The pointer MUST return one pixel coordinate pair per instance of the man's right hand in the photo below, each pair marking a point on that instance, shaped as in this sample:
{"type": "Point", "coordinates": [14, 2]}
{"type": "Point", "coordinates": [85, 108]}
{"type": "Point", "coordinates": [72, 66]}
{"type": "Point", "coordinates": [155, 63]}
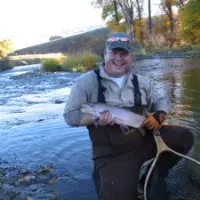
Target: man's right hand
{"type": "Point", "coordinates": [105, 119]}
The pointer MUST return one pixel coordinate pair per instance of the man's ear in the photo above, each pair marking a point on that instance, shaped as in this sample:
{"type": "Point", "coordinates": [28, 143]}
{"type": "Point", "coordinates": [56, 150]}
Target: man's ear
{"type": "Point", "coordinates": [105, 53]}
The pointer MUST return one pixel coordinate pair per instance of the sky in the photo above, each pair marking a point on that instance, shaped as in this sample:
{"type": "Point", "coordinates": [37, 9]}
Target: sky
{"type": "Point", "coordinates": [30, 22]}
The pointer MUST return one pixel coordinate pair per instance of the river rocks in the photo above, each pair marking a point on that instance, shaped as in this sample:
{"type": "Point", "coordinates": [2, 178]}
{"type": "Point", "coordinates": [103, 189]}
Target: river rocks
{"type": "Point", "coordinates": [58, 101]}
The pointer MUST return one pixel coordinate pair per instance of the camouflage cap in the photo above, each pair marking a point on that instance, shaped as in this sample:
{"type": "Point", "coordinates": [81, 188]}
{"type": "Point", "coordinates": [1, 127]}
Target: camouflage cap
{"type": "Point", "coordinates": [120, 40]}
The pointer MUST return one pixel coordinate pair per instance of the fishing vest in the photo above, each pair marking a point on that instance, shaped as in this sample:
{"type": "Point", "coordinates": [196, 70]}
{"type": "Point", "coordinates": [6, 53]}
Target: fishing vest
{"type": "Point", "coordinates": [109, 140]}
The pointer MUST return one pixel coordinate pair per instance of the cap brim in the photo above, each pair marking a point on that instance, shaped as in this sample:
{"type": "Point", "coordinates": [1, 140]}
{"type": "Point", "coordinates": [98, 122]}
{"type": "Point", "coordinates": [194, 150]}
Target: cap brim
{"type": "Point", "coordinates": [116, 46]}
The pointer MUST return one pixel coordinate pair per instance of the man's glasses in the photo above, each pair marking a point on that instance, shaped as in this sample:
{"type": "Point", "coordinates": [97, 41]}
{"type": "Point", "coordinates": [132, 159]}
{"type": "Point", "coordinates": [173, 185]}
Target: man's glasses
{"type": "Point", "coordinates": [119, 39]}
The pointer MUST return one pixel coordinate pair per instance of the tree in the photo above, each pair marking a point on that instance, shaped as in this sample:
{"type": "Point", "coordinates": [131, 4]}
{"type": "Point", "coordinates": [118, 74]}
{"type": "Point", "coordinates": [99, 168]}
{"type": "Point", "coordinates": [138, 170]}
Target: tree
{"type": "Point", "coordinates": [56, 37]}
{"type": "Point", "coordinates": [180, 4]}
{"type": "Point", "coordinates": [190, 21]}
{"type": "Point", "coordinates": [118, 10]}
{"type": "Point", "coordinates": [5, 47]}
{"type": "Point", "coordinates": [139, 11]}
{"type": "Point", "coordinates": [149, 21]}
{"type": "Point", "coordinates": [127, 9]}
{"type": "Point", "coordinates": [167, 5]}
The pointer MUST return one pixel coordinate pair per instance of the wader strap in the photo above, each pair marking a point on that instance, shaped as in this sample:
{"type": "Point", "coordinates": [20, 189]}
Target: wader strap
{"type": "Point", "coordinates": [137, 93]}
{"type": "Point", "coordinates": [102, 89]}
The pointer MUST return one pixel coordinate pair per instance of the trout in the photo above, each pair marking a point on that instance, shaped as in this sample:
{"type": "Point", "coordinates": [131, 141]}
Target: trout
{"type": "Point", "coordinates": [123, 117]}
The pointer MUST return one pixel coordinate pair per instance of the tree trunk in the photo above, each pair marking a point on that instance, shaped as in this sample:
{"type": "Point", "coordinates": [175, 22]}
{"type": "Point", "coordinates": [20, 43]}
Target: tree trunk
{"type": "Point", "coordinates": [116, 12]}
{"type": "Point", "coordinates": [127, 9]}
{"type": "Point", "coordinates": [149, 21]}
{"type": "Point", "coordinates": [139, 9]}
{"type": "Point", "coordinates": [131, 21]}
{"type": "Point", "coordinates": [171, 19]}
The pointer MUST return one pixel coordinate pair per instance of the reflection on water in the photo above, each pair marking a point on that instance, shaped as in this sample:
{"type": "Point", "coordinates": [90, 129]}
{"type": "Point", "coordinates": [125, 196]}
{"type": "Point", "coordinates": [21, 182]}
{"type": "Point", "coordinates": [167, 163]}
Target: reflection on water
{"type": "Point", "coordinates": [181, 78]}
{"type": "Point", "coordinates": [33, 132]}
{"type": "Point", "coordinates": [191, 98]}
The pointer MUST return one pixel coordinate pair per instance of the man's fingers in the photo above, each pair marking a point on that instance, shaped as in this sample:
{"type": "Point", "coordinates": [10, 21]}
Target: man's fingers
{"type": "Point", "coordinates": [105, 118]}
{"type": "Point", "coordinates": [145, 122]}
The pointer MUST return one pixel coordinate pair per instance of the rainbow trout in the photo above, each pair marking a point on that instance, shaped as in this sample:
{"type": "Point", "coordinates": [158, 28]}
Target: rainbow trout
{"type": "Point", "coordinates": [120, 116]}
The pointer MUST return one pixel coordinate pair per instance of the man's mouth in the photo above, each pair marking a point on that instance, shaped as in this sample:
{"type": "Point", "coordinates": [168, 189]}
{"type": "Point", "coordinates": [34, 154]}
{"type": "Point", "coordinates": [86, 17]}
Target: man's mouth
{"type": "Point", "coordinates": [118, 64]}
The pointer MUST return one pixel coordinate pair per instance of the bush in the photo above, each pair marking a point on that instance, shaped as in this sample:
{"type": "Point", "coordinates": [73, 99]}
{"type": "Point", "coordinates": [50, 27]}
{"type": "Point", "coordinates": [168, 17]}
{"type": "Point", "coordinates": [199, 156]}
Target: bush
{"type": "Point", "coordinates": [196, 48]}
{"type": "Point", "coordinates": [5, 64]}
{"type": "Point", "coordinates": [51, 65]}
{"type": "Point", "coordinates": [76, 62]}
{"type": "Point", "coordinates": [79, 68]}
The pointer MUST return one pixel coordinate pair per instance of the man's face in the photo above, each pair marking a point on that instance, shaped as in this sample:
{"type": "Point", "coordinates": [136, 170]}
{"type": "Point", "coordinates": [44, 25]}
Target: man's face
{"type": "Point", "coordinates": [117, 62]}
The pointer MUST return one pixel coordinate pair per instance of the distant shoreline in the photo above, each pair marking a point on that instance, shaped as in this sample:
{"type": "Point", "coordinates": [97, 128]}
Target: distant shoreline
{"type": "Point", "coordinates": [168, 55]}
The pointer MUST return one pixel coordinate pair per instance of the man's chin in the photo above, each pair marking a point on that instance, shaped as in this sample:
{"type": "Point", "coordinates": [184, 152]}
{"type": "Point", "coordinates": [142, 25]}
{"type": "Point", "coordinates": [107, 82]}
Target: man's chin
{"type": "Point", "coordinates": [117, 67]}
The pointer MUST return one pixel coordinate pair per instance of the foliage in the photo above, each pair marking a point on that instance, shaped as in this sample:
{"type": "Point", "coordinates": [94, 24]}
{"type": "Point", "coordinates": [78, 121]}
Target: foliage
{"type": "Point", "coordinates": [5, 47]}
{"type": "Point", "coordinates": [51, 65]}
{"type": "Point", "coordinates": [178, 49]}
{"type": "Point", "coordinates": [117, 10]}
{"type": "Point", "coordinates": [116, 27]}
{"type": "Point", "coordinates": [196, 48]}
{"type": "Point", "coordinates": [138, 29]}
{"type": "Point", "coordinates": [77, 61]}
{"type": "Point", "coordinates": [190, 19]}
{"type": "Point", "coordinates": [5, 64]}
{"type": "Point", "coordinates": [29, 59]}
{"type": "Point", "coordinates": [78, 68]}
{"type": "Point", "coordinates": [56, 37]}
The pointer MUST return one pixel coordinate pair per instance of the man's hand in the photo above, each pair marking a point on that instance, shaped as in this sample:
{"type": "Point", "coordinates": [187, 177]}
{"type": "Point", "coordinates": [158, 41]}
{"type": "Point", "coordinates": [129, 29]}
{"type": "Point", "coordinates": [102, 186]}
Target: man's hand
{"type": "Point", "coordinates": [153, 121]}
{"type": "Point", "coordinates": [105, 119]}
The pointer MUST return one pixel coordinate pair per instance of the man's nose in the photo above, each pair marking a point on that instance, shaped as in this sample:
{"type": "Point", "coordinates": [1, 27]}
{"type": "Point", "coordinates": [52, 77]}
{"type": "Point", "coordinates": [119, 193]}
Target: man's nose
{"type": "Point", "coordinates": [118, 56]}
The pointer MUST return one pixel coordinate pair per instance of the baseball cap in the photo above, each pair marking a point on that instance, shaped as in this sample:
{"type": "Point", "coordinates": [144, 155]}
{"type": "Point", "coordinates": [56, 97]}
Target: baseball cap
{"type": "Point", "coordinates": [120, 40]}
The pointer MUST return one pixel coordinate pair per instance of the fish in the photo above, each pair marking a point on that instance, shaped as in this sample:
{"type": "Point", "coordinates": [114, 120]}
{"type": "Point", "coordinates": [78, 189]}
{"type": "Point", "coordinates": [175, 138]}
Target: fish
{"type": "Point", "coordinates": [121, 116]}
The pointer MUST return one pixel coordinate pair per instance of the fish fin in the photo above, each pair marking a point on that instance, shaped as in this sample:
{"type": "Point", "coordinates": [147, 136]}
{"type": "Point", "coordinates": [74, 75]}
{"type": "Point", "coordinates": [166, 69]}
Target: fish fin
{"type": "Point", "coordinates": [142, 131]}
{"type": "Point", "coordinates": [96, 122]}
{"type": "Point", "coordinates": [124, 129]}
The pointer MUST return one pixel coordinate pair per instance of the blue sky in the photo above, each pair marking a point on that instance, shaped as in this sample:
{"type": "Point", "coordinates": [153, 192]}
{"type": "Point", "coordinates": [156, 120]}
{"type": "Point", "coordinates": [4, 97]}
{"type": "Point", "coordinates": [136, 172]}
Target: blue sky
{"type": "Point", "coordinates": [28, 22]}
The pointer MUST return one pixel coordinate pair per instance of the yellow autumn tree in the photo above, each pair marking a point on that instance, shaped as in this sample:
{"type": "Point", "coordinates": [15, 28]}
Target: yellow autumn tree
{"type": "Point", "coordinates": [5, 47]}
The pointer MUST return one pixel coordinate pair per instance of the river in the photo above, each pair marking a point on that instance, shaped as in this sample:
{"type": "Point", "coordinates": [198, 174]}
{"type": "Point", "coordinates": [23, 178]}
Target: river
{"type": "Point", "coordinates": [43, 158]}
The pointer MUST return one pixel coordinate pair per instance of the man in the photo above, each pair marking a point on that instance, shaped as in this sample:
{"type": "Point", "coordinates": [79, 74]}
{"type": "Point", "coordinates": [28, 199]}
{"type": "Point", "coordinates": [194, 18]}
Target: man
{"type": "Point", "coordinates": [118, 158]}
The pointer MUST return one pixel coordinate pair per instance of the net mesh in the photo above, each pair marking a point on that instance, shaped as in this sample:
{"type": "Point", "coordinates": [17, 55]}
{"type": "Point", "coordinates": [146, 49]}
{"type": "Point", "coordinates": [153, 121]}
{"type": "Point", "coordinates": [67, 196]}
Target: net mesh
{"type": "Point", "coordinates": [173, 178]}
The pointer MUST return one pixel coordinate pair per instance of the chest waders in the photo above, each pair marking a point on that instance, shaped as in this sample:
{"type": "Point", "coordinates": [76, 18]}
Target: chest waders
{"type": "Point", "coordinates": [108, 142]}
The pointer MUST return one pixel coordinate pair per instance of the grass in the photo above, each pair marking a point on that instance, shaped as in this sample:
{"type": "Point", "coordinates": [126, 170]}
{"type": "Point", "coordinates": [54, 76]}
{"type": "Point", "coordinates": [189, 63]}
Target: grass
{"type": "Point", "coordinates": [51, 64]}
{"type": "Point", "coordinates": [80, 62]}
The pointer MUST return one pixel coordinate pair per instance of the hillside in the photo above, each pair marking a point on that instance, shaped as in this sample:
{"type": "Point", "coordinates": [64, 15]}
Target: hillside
{"type": "Point", "coordinates": [92, 40]}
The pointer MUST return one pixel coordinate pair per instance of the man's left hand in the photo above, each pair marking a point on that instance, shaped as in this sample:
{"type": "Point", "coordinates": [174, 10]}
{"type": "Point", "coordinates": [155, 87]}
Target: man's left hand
{"type": "Point", "coordinates": [153, 121]}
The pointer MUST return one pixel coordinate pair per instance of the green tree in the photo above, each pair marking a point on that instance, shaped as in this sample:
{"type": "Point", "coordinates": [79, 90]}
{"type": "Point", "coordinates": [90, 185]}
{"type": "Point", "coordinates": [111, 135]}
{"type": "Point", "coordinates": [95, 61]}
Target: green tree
{"type": "Point", "coordinates": [5, 47]}
{"type": "Point", "coordinates": [120, 14]}
{"type": "Point", "coordinates": [123, 9]}
{"type": "Point", "coordinates": [190, 21]}
{"type": "Point", "coordinates": [180, 3]}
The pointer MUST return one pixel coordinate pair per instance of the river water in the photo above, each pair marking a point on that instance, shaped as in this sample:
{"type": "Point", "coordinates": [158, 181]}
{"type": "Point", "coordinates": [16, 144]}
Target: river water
{"type": "Point", "coordinates": [43, 158]}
